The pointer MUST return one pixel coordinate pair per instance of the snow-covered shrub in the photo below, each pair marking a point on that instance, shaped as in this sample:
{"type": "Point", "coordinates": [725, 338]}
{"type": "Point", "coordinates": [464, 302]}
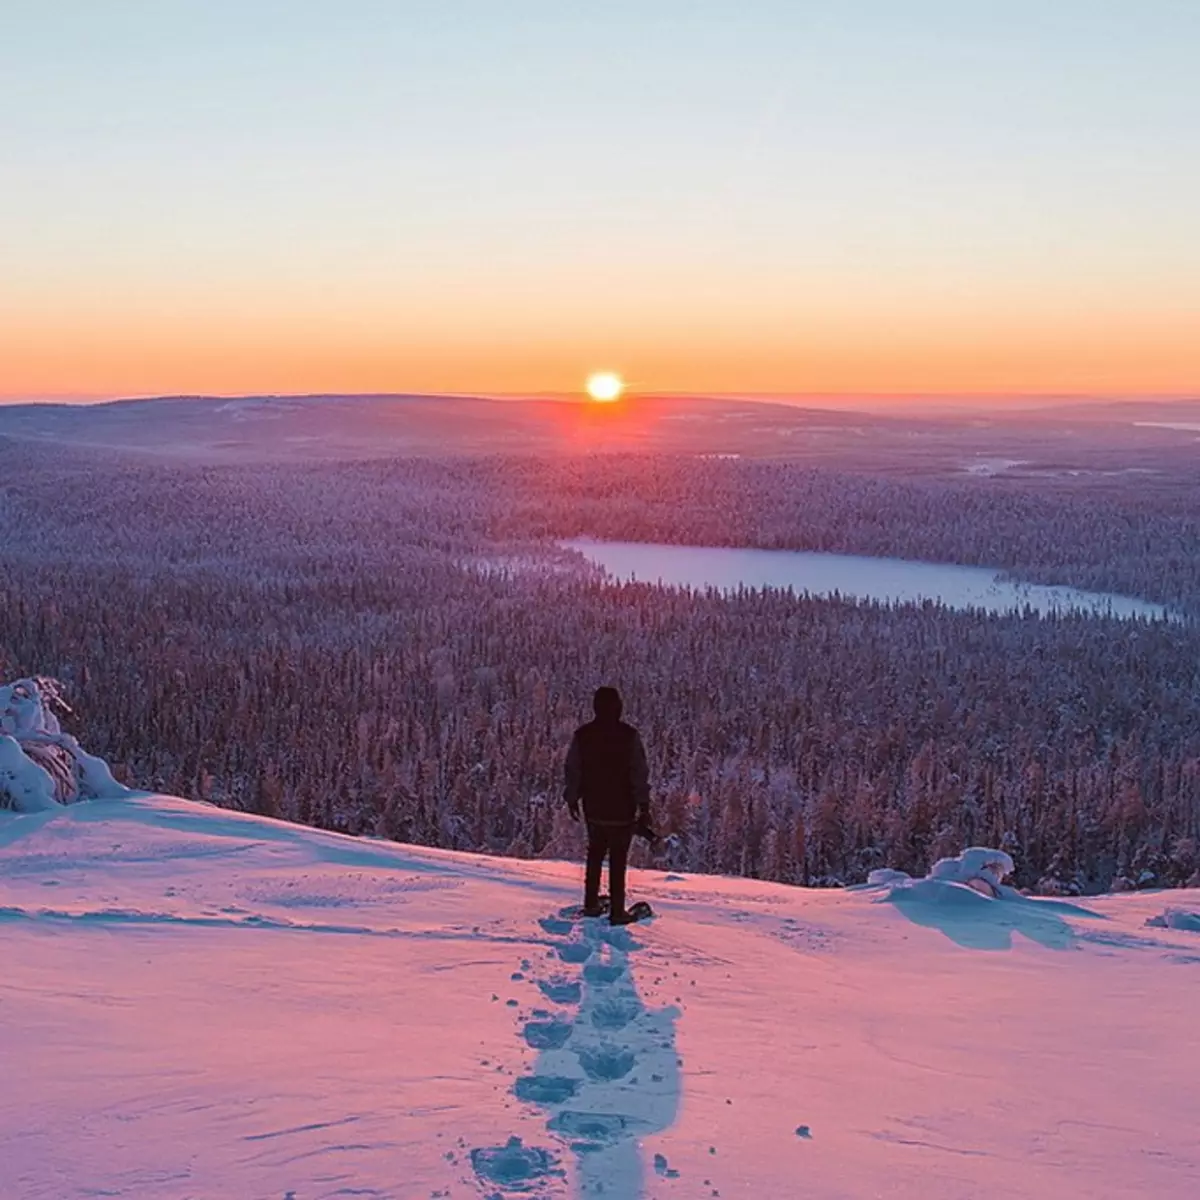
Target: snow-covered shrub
{"type": "Point", "coordinates": [1176, 918]}
{"type": "Point", "coordinates": [979, 868]}
{"type": "Point", "coordinates": [27, 707]}
{"type": "Point", "coordinates": [885, 876]}
{"type": "Point", "coordinates": [40, 766]}
{"type": "Point", "coordinates": [1049, 885]}
{"type": "Point", "coordinates": [24, 785]}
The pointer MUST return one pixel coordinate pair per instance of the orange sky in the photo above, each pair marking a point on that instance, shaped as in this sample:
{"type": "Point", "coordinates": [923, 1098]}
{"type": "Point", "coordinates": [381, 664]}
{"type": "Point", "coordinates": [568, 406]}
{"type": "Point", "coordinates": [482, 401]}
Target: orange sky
{"type": "Point", "coordinates": [117, 354]}
{"type": "Point", "coordinates": [293, 198]}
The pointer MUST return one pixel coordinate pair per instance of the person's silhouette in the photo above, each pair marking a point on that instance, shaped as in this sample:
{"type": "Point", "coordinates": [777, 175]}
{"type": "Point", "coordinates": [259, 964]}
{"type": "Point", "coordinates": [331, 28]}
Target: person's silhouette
{"type": "Point", "coordinates": [606, 771]}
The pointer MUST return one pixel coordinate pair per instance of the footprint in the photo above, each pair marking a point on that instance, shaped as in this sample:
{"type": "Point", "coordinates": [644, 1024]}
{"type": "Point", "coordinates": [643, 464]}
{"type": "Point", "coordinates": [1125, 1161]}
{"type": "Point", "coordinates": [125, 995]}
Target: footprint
{"type": "Point", "coordinates": [602, 972]}
{"type": "Point", "coordinates": [515, 1166]}
{"type": "Point", "coordinates": [585, 1148]}
{"type": "Point", "coordinates": [614, 1012]}
{"type": "Point", "coordinates": [574, 952]}
{"type": "Point", "coordinates": [555, 926]}
{"type": "Point", "coordinates": [547, 1035]}
{"type": "Point", "coordinates": [561, 990]}
{"type": "Point", "coordinates": [595, 1127]}
{"type": "Point", "coordinates": [618, 937]}
{"type": "Point", "coordinates": [545, 1089]}
{"type": "Point", "coordinates": [661, 1167]}
{"type": "Point", "coordinates": [603, 1064]}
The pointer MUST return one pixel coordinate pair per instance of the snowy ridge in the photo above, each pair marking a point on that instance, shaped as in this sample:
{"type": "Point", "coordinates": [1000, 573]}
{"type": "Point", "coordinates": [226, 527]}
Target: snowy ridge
{"type": "Point", "coordinates": [200, 1003]}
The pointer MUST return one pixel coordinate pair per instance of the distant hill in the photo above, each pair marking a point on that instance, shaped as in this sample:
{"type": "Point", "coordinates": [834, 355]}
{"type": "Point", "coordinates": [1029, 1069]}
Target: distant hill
{"type": "Point", "coordinates": [301, 427]}
{"type": "Point", "coordinates": [1095, 435]}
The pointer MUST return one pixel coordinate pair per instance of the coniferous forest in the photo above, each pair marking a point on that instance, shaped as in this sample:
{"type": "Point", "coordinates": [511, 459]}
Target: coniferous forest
{"type": "Point", "coordinates": [399, 648]}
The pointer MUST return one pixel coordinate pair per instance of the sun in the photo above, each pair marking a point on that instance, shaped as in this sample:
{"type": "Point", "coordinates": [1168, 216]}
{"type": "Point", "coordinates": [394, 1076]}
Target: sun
{"type": "Point", "coordinates": [605, 386]}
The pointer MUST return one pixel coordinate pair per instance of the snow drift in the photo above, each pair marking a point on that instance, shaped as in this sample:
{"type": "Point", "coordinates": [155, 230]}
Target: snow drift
{"type": "Point", "coordinates": [41, 767]}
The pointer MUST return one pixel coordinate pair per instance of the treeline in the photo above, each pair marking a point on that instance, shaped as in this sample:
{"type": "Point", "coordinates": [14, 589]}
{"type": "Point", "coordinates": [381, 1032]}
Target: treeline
{"type": "Point", "coordinates": [332, 645]}
{"type": "Point", "coordinates": [1135, 536]}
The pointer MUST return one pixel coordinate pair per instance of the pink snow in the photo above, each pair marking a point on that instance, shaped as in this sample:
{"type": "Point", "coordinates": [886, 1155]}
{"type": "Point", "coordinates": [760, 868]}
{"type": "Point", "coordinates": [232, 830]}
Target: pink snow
{"type": "Point", "coordinates": [203, 1004]}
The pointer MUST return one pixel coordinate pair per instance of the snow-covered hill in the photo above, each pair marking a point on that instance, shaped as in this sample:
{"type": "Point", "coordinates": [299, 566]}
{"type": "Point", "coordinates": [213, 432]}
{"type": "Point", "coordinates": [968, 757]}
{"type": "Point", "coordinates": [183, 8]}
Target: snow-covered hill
{"type": "Point", "coordinates": [203, 1004]}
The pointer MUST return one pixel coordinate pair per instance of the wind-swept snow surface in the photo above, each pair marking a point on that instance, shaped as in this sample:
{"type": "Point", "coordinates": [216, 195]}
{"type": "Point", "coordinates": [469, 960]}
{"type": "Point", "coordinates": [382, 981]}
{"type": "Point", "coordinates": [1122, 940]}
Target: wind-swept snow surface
{"type": "Point", "coordinates": [202, 1004]}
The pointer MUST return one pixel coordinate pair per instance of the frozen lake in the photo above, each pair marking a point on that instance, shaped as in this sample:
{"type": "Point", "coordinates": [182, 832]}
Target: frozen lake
{"type": "Point", "coordinates": [887, 580]}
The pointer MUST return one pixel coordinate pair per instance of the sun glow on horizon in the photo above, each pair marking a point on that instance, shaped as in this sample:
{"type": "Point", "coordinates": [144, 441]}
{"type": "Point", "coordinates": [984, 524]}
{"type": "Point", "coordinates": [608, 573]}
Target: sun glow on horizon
{"type": "Point", "coordinates": [605, 386]}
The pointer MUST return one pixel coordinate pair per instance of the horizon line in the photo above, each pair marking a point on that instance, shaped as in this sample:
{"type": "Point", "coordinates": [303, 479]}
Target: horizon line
{"type": "Point", "coordinates": [932, 397]}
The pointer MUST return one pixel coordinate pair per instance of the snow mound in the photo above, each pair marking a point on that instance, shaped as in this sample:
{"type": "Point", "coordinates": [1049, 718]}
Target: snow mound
{"type": "Point", "coordinates": [40, 766]}
{"type": "Point", "coordinates": [965, 898]}
{"type": "Point", "coordinates": [1176, 918]}
{"type": "Point", "coordinates": [979, 868]}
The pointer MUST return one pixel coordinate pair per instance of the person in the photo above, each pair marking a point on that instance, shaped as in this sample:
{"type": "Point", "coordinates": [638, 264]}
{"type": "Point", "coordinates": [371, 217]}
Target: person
{"type": "Point", "coordinates": [606, 773]}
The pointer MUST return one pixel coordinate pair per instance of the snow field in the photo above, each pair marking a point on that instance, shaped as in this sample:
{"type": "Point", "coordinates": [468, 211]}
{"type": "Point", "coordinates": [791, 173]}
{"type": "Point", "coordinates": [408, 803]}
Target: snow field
{"type": "Point", "coordinates": [205, 1004]}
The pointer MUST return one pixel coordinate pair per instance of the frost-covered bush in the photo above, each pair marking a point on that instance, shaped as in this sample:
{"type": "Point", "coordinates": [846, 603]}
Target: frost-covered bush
{"type": "Point", "coordinates": [40, 766]}
{"type": "Point", "coordinates": [979, 868]}
{"type": "Point", "coordinates": [1176, 918]}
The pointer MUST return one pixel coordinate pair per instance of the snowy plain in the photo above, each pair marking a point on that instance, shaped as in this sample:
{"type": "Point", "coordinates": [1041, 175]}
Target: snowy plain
{"type": "Point", "coordinates": [198, 1003]}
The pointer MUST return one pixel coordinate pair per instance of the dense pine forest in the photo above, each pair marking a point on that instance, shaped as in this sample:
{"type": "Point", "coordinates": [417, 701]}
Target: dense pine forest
{"type": "Point", "coordinates": [400, 649]}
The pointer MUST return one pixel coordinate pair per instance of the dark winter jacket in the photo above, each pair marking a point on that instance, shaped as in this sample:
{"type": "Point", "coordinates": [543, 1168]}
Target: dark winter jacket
{"type": "Point", "coordinates": [606, 769]}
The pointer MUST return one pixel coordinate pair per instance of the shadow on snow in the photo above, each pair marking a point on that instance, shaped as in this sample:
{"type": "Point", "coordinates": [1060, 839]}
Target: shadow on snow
{"type": "Point", "coordinates": [981, 923]}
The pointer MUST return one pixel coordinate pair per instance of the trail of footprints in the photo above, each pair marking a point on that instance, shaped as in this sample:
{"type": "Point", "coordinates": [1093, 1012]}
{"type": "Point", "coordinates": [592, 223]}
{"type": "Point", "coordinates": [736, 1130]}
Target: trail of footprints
{"type": "Point", "coordinates": [590, 1046]}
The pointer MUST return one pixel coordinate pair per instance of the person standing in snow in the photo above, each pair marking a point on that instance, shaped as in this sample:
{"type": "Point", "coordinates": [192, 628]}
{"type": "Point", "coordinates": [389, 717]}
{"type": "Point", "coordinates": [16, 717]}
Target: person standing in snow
{"type": "Point", "coordinates": [606, 771]}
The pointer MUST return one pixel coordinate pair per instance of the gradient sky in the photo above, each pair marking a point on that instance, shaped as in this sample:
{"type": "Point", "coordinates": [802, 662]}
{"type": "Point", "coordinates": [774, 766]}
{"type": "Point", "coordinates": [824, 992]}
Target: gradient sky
{"type": "Point", "coordinates": [237, 196]}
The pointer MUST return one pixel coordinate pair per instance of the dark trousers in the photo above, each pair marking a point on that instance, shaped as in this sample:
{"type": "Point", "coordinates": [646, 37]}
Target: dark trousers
{"type": "Point", "coordinates": [611, 842]}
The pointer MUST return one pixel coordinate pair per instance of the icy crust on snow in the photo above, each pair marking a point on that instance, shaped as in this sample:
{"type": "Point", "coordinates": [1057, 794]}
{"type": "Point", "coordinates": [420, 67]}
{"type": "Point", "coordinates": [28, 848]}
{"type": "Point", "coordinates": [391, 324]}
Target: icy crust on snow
{"type": "Point", "coordinates": [41, 767]}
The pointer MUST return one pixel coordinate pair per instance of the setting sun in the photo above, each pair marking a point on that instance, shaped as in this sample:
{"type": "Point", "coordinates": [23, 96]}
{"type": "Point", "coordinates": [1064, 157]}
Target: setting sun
{"type": "Point", "coordinates": [605, 386]}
